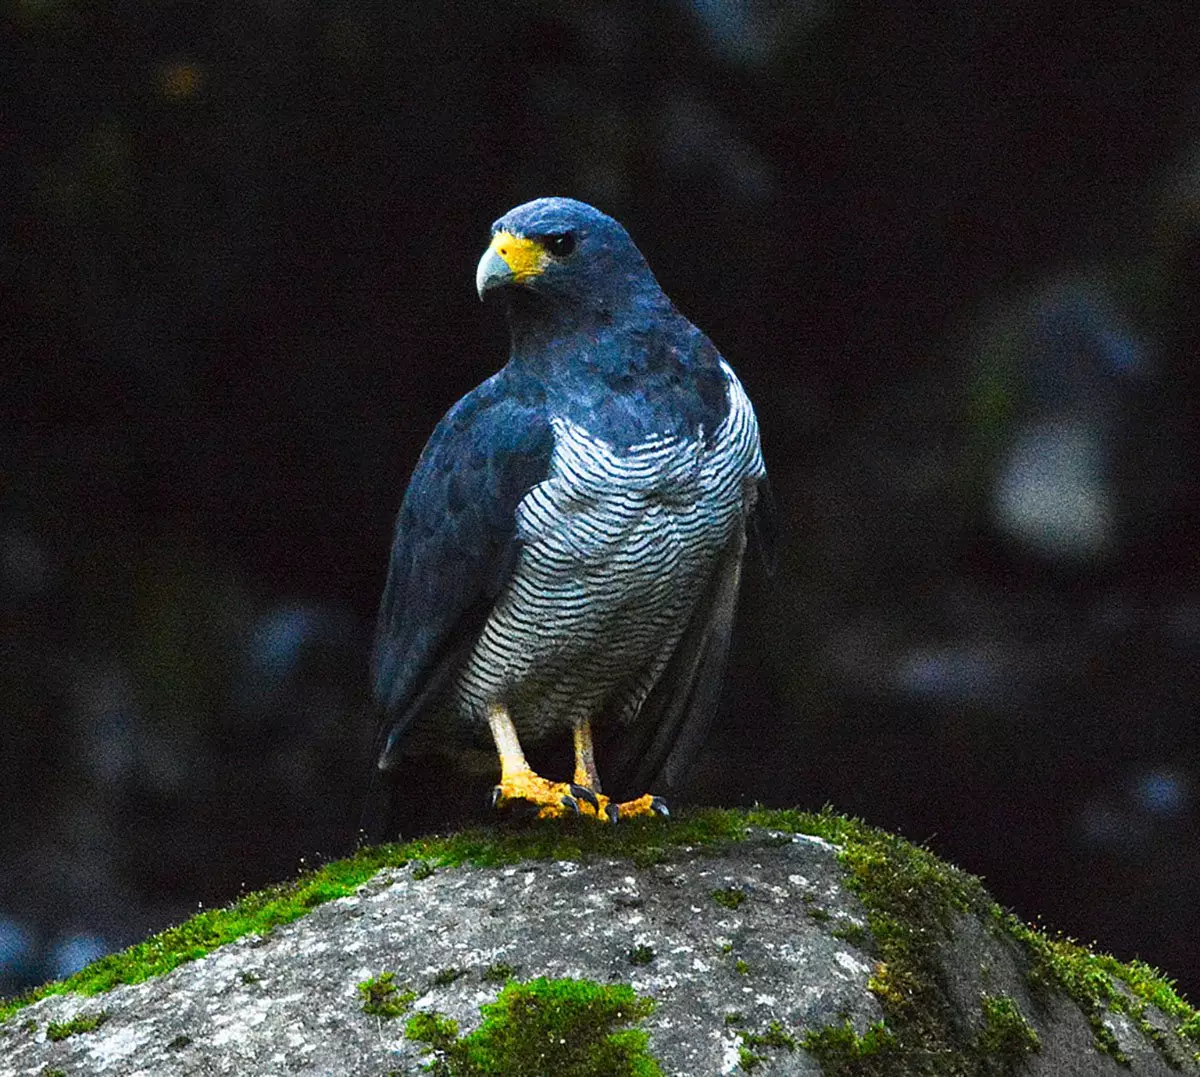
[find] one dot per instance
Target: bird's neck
(626, 380)
(592, 340)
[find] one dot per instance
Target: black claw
(659, 806)
(613, 812)
(584, 793)
(572, 803)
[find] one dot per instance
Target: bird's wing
(455, 547)
(764, 525)
(655, 749)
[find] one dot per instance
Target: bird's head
(556, 254)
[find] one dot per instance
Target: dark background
(952, 255)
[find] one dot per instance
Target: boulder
(720, 943)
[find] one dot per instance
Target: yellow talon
(553, 799)
(556, 799)
(644, 805)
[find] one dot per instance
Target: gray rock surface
(288, 1003)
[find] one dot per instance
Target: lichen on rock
(845, 951)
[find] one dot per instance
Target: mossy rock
(845, 951)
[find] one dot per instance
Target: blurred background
(953, 256)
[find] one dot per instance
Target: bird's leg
(580, 797)
(585, 758)
(517, 779)
(586, 787)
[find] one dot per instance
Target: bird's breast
(596, 501)
(617, 545)
(615, 528)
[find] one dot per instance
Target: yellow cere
(525, 257)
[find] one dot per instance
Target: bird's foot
(609, 810)
(643, 805)
(557, 799)
(552, 799)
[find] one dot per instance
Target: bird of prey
(567, 555)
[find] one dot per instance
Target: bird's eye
(561, 244)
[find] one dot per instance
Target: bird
(568, 552)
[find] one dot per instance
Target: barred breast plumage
(617, 548)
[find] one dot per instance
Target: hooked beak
(509, 259)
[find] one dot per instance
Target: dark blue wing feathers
(455, 543)
(764, 526)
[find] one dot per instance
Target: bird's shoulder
(495, 442)
(654, 379)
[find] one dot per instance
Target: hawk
(567, 555)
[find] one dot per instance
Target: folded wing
(455, 546)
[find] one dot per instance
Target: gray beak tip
(492, 270)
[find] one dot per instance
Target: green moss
(255, 913)
(445, 977)
(382, 998)
(422, 869)
(641, 955)
(1007, 1038)
(1100, 984)
(259, 912)
(729, 898)
(750, 1050)
(545, 1027)
(741, 968)
(84, 1022)
(441, 1033)
(748, 1061)
(499, 972)
(855, 934)
(648, 855)
(843, 1052)
(179, 1042)
(774, 1036)
(911, 899)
